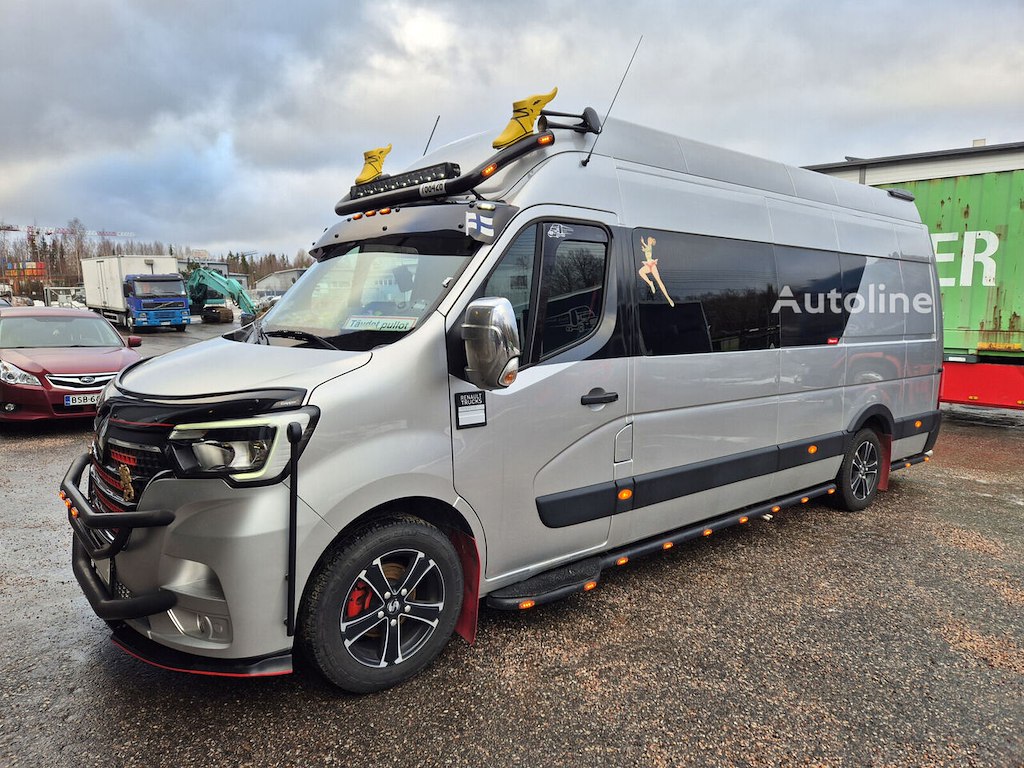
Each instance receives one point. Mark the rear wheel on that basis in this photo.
(857, 481)
(382, 605)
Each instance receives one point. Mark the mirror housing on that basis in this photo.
(134, 341)
(127, 290)
(491, 336)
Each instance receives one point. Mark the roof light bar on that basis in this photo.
(438, 172)
(406, 188)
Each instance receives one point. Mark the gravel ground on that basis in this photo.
(890, 638)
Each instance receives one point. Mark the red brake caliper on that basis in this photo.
(358, 600)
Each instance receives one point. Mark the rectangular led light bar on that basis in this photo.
(438, 172)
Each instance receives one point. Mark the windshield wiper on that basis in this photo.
(301, 336)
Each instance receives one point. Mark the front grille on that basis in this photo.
(80, 381)
(117, 462)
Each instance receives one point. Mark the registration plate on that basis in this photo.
(82, 399)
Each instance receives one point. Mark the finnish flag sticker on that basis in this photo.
(470, 410)
(482, 225)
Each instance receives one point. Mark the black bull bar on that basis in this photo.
(86, 549)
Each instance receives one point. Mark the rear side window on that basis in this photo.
(704, 294)
(810, 296)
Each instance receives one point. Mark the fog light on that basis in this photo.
(9, 407)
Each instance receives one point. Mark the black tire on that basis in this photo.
(356, 625)
(180, 328)
(857, 481)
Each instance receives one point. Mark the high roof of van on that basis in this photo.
(637, 148)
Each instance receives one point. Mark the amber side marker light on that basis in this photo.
(907, 465)
(927, 458)
(625, 494)
(812, 449)
(917, 424)
(527, 604)
(831, 491)
(622, 561)
(744, 520)
(356, 216)
(489, 170)
(74, 511)
(547, 139)
(708, 531)
(667, 545)
(384, 211)
(776, 509)
(589, 586)
(805, 499)
(972, 397)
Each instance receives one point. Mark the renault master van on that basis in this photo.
(510, 369)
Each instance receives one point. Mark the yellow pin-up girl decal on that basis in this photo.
(649, 269)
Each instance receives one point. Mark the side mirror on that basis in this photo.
(247, 318)
(127, 290)
(134, 341)
(491, 336)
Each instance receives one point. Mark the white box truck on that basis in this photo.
(137, 291)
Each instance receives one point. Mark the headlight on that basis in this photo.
(12, 374)
(244, 450)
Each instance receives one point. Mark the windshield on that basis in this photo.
(159, 288)
(50, 331)
(371, 292)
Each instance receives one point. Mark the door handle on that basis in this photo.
(598, 396)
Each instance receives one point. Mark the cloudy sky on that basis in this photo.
(238, 124)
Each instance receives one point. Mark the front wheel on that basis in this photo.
(382, 605)
(857, 481)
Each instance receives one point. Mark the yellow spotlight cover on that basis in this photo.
(524, 115)
(373, 164)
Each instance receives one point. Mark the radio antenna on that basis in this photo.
(587, 158)
(431, 134)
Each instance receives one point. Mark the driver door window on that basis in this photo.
(568, 287)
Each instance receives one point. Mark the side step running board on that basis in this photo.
(583, 575)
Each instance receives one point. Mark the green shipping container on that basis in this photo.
(977, 229)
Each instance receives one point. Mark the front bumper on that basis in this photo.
(197, 568)
(34, 403)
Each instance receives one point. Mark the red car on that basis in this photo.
(55, 362)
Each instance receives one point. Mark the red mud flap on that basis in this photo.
(144, 649)
(988, 384)
(465, 546)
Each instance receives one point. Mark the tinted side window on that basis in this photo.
(917, 283)
(704, 294)
(873, 290)
(810, 296)
(572, 289)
